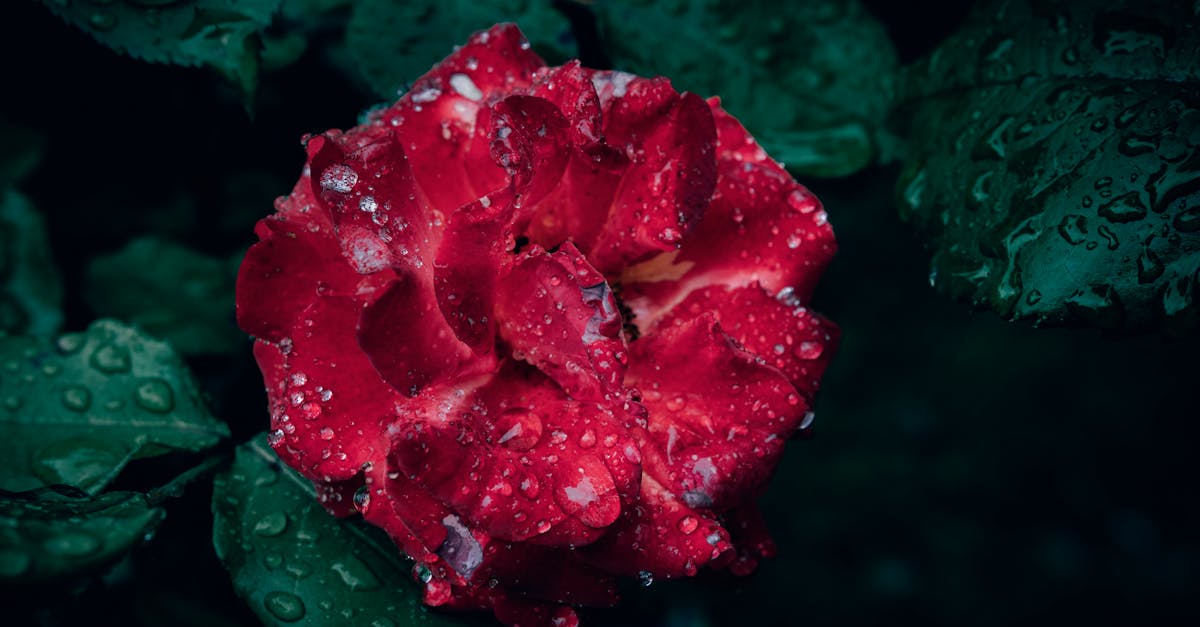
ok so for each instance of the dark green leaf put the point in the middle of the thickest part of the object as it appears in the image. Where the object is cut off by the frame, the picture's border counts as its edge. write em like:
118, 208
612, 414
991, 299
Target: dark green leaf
812, 82
294, 563
395, 42
170, 292
1054, 163
53, 533
30, 287
221, 34
77, 409
20, 151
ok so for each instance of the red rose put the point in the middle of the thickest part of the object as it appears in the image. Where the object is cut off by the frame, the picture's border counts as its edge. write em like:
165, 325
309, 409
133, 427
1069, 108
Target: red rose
543, 325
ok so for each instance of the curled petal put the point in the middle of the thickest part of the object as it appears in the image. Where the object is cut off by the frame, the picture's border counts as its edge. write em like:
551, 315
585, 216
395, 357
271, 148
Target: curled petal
408, 342
436, 119
762, 226
667, 186
285, 273
558, 313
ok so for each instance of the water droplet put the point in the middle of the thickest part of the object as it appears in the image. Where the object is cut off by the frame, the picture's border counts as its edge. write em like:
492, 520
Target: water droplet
76, 398
519, 429
422, 573
688, 524
1073, 229
465, 87
437, 593
155, 395
646, 578
362, 498
355, 574
326, 433
1126, 208
367, 204
71, 544
273, 560
298, 569
68, 343
809, 350
1149, 266
12, 403
1188, 220
285, 606
111, 359
271, 524
339, 178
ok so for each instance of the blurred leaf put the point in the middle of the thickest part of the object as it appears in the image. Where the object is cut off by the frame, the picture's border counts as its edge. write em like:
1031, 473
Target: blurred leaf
395, 42
221, 34
55, 533
169, 291
1054, 163
305, 9
76, 410
295, 563
30, 288
812, 81
20, 152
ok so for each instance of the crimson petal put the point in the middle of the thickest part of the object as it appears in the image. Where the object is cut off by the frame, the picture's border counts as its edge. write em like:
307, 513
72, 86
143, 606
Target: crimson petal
761, 226
718, 417
436, 119
558, 313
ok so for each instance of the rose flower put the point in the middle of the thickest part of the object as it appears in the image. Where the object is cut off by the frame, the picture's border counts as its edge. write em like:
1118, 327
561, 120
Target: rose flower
545, 326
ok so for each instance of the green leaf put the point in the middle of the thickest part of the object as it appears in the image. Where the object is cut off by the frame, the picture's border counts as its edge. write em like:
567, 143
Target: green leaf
77, 409
170, 292
1054, 163
812, 82
221, 34
30, 288
395, 42
294, 563
56, 533
20, 152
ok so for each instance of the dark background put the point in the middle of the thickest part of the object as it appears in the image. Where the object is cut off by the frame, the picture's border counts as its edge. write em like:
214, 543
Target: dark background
966, 471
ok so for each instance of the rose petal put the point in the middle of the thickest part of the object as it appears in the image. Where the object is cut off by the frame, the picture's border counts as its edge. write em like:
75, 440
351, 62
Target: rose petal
558, 313
407, 340
284, 274
436, 119
718, 417
326, 416
791, 337
667, 186
382, 219
761, 226
524, 467
661, 538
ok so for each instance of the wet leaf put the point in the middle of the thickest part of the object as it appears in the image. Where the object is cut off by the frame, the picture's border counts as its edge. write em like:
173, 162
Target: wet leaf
76, 409
294, 563
30, 287
221, 34
812, 82
395, 42
56, 533
169, 291
1055, 165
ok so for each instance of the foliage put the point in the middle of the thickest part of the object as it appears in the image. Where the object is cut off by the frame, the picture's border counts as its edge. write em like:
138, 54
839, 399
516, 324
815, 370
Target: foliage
1054, 163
